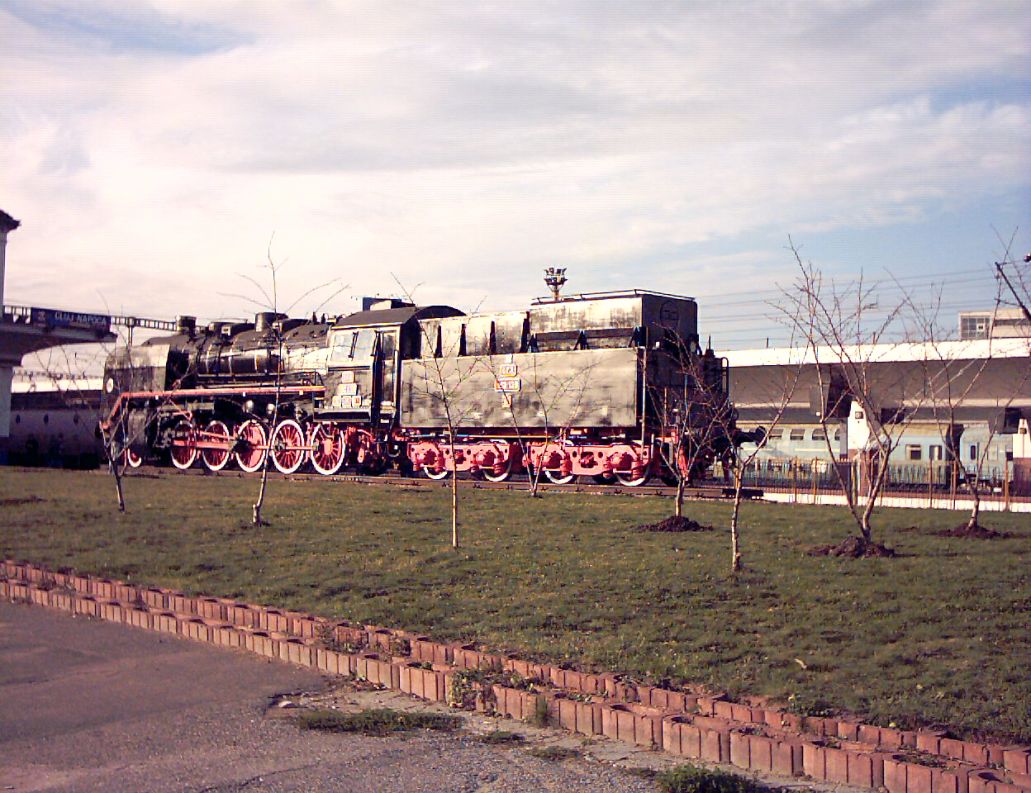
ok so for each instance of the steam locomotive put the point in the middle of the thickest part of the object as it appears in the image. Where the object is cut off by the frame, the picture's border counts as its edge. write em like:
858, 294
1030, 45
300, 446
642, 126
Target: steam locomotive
612, 386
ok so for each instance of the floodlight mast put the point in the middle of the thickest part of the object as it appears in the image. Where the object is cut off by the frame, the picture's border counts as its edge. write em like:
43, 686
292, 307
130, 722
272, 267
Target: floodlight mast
555, 278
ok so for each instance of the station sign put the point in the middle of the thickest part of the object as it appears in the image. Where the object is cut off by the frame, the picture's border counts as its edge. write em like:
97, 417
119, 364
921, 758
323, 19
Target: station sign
52, 318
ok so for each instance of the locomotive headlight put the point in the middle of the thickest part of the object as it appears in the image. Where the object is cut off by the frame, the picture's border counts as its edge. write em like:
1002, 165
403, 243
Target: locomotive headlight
249, 405
109, 386
270, 408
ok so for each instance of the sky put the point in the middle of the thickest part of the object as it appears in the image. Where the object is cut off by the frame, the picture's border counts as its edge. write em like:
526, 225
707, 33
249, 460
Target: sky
159, 154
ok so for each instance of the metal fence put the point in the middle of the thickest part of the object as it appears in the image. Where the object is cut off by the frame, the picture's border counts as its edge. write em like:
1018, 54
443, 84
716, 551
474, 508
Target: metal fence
934, 479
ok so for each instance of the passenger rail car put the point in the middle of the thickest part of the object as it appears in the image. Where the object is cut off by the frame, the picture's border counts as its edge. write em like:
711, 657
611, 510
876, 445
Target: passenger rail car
575, 386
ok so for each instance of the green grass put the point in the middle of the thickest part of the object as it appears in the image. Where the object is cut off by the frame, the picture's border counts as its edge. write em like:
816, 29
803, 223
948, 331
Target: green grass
938, 636
376, 721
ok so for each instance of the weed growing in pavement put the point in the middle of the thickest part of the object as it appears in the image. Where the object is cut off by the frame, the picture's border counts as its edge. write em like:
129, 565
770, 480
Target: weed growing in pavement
376, 721
502, 738
540, 717
466, 683
565, 578
692, 779
553, 753
326, 636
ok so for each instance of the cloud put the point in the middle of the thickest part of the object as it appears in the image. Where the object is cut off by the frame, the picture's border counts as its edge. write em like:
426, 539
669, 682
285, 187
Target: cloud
153, 154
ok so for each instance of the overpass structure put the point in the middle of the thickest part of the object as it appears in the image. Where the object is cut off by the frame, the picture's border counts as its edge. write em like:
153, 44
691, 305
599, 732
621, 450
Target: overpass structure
29, 329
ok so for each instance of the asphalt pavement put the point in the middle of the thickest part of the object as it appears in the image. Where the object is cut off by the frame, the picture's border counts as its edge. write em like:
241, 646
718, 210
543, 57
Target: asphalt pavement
87, 705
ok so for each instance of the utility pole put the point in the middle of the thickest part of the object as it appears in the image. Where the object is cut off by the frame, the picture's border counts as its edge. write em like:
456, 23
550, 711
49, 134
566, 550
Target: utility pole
1002, 274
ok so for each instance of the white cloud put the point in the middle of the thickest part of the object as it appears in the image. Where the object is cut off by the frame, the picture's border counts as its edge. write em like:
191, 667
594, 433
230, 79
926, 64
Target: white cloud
467, 146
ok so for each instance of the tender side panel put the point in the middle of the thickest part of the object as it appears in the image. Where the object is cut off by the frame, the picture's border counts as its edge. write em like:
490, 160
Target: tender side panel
584, 388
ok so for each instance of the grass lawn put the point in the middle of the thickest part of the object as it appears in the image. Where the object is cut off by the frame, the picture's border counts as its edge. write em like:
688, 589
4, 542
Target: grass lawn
940, 635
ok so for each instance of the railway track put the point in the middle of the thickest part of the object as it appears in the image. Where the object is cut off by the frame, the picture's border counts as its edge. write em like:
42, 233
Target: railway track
387, 480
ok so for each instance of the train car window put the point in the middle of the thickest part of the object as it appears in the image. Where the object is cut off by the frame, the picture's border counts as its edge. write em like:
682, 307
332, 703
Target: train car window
914, 451
775, 434
934, 452
819, 435
973, 451
837, 434
361, 346
797, 434
386, 343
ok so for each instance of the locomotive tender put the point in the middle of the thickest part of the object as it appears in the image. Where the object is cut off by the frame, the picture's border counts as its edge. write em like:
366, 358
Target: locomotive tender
573, 386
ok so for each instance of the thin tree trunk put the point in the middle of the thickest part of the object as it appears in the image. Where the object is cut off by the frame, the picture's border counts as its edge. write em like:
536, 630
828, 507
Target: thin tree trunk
260, 503
454, 493
112, 465
118, 483
735, 540
975, 512
256, 516
678, 508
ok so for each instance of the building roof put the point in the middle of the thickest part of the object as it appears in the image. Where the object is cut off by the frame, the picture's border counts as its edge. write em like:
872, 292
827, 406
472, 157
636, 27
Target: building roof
971, 349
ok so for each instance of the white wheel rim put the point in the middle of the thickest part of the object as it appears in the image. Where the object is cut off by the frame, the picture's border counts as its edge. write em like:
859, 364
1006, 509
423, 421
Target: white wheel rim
628, 482
288, 426
252, 465
334, 466
216, 428
134, 460
187, 460
490, 476
432, 473
557, 479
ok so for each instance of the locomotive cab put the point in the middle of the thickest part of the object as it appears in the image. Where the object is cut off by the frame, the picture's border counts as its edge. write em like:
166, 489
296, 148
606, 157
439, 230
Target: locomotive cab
363, 366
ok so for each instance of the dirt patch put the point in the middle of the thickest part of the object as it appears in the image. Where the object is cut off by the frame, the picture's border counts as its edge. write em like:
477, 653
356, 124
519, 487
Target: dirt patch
674, 524
17, 502
975, 532
853, 548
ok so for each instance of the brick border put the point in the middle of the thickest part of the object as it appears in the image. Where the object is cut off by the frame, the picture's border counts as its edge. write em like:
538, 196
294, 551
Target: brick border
691, 724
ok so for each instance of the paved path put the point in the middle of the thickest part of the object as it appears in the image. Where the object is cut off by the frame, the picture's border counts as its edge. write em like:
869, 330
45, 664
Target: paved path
90, 706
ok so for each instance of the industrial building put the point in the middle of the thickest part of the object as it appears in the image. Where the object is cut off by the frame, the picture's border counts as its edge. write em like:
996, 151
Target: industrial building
964, 401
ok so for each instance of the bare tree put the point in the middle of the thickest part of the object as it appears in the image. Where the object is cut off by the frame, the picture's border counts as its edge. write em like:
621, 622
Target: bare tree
445, 374
739, 459
275, 348
959, 373
842, 328
694, 414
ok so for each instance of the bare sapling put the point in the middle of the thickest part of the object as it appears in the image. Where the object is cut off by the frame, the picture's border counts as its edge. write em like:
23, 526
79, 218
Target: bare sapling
843, 328
747, 445
693, 414
445, 373
958, 374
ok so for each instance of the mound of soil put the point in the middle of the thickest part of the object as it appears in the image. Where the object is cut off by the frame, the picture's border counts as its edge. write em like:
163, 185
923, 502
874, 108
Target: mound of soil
674, 524
16, 501
853, 547
975, 532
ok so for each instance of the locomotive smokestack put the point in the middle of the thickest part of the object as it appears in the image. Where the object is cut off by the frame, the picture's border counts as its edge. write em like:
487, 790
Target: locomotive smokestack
263, 320
555, 278
186, 325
